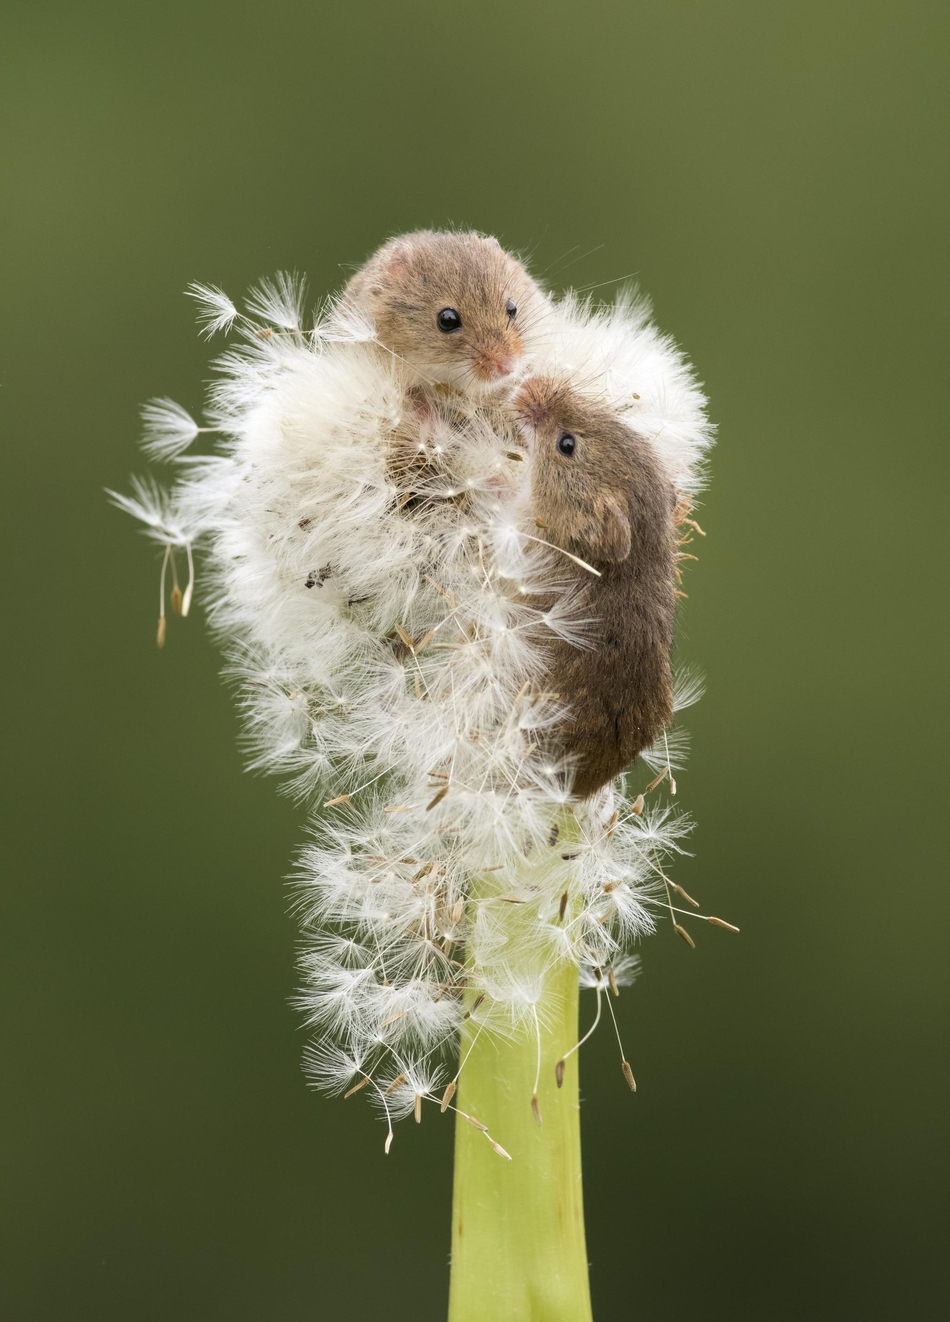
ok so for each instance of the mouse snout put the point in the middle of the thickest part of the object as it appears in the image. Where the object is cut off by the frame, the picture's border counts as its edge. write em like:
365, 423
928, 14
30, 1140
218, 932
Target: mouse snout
496, 354
491, 366
493, 363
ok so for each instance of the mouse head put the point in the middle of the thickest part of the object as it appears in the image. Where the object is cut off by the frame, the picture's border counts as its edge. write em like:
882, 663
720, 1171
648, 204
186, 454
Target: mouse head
595, 484
456, 307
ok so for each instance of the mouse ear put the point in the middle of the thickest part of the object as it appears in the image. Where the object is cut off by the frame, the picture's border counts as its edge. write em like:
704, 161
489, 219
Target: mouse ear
607, 536
398, 257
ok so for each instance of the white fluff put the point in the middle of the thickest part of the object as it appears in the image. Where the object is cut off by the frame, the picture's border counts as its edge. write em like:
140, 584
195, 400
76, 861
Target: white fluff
379, 636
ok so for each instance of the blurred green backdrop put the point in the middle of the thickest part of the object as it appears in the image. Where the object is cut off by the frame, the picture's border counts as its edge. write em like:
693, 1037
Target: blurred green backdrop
773, 175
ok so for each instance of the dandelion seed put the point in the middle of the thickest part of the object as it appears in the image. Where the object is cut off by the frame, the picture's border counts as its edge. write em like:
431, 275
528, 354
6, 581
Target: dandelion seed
356, 1088
190, 586
280, 300
169, 429
720, 922
216, 312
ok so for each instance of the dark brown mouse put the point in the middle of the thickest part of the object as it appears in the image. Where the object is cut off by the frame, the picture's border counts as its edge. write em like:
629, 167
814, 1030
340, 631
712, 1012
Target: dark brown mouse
455, 307
599, 492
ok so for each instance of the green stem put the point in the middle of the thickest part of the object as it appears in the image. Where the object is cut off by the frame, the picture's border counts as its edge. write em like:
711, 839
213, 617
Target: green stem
518, 1250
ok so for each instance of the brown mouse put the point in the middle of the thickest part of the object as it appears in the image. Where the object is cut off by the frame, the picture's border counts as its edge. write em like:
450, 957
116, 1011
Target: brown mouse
454, 307
598, 491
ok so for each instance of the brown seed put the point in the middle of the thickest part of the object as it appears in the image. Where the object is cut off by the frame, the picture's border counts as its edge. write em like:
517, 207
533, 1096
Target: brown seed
160, 636
393, 1018
721, 922
637, 805
612, 979
477, 1123
559, 1072
685, 894
628, 1075
176, 600
536, 1109
340, 798
400, 1078
356, 1087
681, 931
418, 1108
500, 1150
438, 798
562, 907
405, 637
447, 1096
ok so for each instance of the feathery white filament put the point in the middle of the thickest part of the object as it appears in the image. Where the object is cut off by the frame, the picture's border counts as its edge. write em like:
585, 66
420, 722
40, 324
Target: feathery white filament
374, 602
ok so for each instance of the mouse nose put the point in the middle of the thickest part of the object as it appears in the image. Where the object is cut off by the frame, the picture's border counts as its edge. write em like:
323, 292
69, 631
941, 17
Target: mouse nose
492, 365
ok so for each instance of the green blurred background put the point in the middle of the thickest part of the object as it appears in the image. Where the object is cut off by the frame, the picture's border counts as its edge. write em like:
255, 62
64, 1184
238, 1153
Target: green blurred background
773, 175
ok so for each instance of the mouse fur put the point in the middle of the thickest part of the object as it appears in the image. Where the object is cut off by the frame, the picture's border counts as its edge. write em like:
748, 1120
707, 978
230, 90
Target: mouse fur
611, 504
404, 286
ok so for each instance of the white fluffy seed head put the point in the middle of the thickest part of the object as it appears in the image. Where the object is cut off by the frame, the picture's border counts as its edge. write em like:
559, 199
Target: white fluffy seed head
372, 591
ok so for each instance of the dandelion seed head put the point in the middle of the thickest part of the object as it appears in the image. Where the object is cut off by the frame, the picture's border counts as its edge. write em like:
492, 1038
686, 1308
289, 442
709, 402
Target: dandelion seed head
378, 606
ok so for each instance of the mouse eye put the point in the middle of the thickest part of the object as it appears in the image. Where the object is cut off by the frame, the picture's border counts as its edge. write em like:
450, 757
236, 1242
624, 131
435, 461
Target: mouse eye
566, 443
448, 320
510, 308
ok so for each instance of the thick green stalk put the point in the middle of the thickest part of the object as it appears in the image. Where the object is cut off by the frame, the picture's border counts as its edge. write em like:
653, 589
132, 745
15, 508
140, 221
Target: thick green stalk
518, 1251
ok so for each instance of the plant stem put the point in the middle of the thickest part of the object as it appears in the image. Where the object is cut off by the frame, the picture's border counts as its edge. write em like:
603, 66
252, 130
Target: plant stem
518, 1250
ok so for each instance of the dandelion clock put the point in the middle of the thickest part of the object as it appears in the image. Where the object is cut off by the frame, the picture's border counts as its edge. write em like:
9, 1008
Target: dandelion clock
439, 532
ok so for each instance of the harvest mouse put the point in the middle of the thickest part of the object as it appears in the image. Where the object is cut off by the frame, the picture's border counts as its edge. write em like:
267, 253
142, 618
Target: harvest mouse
598, 491
455, 308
